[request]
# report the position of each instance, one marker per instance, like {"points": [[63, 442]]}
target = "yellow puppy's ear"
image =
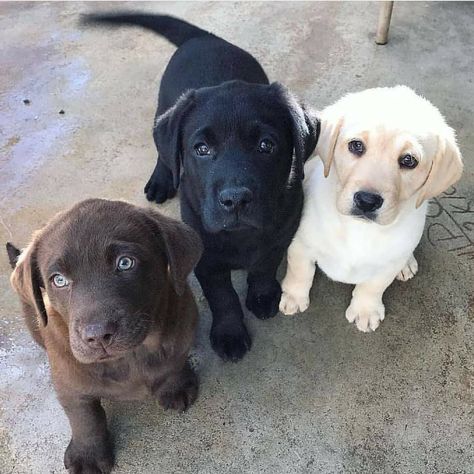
{"points": [[330, 128], [446, 169]]}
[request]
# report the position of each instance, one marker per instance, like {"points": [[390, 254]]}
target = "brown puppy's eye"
{"points": [[408, 161], [356, 147], [202, 149], [266, 146], [125, 263], [59, 281]]}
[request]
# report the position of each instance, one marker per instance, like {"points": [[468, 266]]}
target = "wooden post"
{"points": [[385, 15]]}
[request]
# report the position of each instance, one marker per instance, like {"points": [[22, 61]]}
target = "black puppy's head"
{"points": [[239, 148], [105, 267]]}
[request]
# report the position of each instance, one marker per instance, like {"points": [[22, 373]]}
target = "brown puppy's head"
{"points": [[105, 267], [387, 146]]}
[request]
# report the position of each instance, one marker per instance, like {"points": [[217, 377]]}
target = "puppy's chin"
{"points": [[95, 357], [381, 218], [214, 222]]}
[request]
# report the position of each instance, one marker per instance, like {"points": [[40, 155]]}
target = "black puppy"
{"points": [[236, 146]]}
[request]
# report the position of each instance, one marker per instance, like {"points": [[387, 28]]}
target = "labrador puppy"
{"points": [[236, 146], [384, 153], [103, 289]]}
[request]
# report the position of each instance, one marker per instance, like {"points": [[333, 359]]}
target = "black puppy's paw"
{"points": [[89, 459], [160, 186], [230, 342], [264, 302], [181, 393]]}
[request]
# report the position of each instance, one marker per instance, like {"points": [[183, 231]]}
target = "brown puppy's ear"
{"points": [[182, 244], [167, 133], [330, 128], [446, 169], [305, 129], [27, 282], [13, 254]]}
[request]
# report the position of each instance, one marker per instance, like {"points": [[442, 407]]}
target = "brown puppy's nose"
{"points": [[99, 334], [233, 199], [368, 202]]}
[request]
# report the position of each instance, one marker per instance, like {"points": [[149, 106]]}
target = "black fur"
{"points": [[13, 254], [245, 203]]}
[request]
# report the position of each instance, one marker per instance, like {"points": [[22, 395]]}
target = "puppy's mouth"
{"points": [[99, 355], [365, 216], [231, 223], [122, 343], [239, 223]]}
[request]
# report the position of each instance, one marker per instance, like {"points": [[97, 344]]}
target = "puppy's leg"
{"points": [[178, 388], [409, 270], [229, 336], [160, 185], [264, 291], [298, 280], [366, 308], [90, 449]]}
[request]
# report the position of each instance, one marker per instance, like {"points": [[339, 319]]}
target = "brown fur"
{"points": [[150, 307]]}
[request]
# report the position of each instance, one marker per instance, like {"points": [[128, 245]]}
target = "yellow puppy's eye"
{"points": [[408, 161], [356, 147], [125, 263], [59, 281]]}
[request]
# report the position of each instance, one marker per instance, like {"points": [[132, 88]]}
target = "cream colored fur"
{"points": [[391, 122]]}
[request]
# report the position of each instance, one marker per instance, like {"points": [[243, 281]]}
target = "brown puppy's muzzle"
{"points": [[106, 334], [99, 335]]}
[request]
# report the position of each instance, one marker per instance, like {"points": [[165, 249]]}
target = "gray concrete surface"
{"points": [[314, 394]]}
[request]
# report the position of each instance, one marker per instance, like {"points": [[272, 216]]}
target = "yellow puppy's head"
{"points": [[387, 146]]}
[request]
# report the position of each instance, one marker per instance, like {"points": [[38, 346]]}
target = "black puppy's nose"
{"points": [[233, 199], [368, 202], [99, 334]]}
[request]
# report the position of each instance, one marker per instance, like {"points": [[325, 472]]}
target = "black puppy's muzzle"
{"points": [[366, 204], [235, 199]]}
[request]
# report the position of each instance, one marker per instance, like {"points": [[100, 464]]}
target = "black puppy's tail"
{"points": [[13, 254], [174, 30]]}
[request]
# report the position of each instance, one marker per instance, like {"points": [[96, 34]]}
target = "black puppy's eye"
{"points": [[59, 281], [356, 147], [266, 146], [408, 161], [202, 149], [125, 263]]}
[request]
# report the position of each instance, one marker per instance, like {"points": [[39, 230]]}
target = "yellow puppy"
{"points": [[384, 152]]}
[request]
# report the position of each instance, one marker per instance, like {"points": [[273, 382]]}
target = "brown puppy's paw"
{"points": [[230, 342], [179, 394], [91, 459]]}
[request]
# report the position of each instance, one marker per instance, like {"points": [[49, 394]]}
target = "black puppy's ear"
{"points": [[182, 245], [27, 282], [167, 133], [306, 127]]}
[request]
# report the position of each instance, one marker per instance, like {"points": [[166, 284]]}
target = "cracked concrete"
{"points": [[314, 394]]}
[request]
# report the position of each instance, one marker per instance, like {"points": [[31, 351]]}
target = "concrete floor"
{"points": [[314, 394]]}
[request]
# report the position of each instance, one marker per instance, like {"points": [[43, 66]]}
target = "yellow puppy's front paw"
{"points": [[367, 317], [292, 304], [409, 270]]}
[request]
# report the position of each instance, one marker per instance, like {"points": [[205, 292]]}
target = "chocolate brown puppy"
{"points": [[103, 289]]}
